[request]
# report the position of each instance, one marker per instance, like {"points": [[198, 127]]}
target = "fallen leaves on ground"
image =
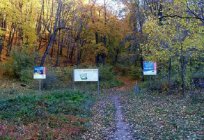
{"points": [[163, 117]]}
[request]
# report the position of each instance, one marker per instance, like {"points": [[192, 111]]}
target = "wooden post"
{"points": [[40, 83]]}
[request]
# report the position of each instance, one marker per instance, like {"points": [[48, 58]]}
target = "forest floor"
{"points": [[119, 114]]}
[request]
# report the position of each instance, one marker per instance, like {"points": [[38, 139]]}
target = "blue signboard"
{"points": [[149, 68], [39, 73]]}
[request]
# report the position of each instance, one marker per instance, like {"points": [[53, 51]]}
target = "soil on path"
{"points": [[108, 121], [122, 128]]}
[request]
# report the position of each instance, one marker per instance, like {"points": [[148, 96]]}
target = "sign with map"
{"points": [[149, 68], [39, 73], [86, 75]]}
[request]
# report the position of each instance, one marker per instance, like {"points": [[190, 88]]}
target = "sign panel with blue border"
{"points": [[39, 73], [149, 68]]}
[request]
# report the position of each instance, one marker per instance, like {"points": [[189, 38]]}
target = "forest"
{"points": [[117, 37]]}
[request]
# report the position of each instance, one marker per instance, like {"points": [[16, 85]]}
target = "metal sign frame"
{"points": [[39, 74]]}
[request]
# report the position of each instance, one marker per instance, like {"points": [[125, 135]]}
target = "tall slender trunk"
{"points": [[3, 36], [141, 63], [11, 38], [71, 54], [53, 35], [61, 47], [78, 55], [58, 50], [169, 72], [117, 51], [182, 65], [1, 45], [52, 52]]}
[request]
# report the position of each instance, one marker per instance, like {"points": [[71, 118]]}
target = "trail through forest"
{"points": [[108, 120], [122, 128], [121, 115]]}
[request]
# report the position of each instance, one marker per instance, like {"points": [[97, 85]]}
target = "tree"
{"points": [[19, 17], [178, 39]]}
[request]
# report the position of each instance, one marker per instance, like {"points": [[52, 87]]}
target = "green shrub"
{"points": [[51, 81], [135, 73], [20, 65], [26, 75], [62, 73], [156, 85], [58, 77], [106, 73], [198, 74], [121, 69], [107, 77]]}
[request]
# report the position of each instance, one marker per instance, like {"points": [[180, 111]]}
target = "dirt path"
{"points": [[108, 121], [122, 128]]}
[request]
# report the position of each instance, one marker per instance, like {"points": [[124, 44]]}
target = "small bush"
{"points": [[135, 73], [107, 77], [106, 73], [157, 85], [121, 69], [26, 75], [63, 74], [51, 81], [20, 65]]}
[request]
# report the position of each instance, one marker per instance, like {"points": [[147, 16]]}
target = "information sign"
{"points": [[149, 68], [85, 75], [39, 73]]}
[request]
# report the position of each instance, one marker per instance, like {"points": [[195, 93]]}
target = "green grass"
{"points": [[28, 108], [57, 110]]}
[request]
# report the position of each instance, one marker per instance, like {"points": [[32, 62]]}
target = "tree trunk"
{"points": [[117, 51], [61, 49], [71, 55], [78, 55], [96, 37], [182, 65], [141, 63], [58, 50], [1, 45], [169, 72], [52, 52], [10, 42], [182, 75], [53, 35]]}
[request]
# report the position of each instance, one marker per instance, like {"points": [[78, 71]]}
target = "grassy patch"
{"points": [[58, 114]]}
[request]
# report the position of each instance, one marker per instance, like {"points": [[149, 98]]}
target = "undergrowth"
{"points": [[58, 114]]}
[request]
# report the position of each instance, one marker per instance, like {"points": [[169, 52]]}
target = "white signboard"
{"points": [[86, 75]]}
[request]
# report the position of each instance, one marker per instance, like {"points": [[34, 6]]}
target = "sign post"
{"points": [[149, 68], [98, 87], [87, 75], [39, 74], [40, 83]]}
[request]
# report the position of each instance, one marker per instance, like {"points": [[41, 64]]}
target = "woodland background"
{"points": [[84, 33]]}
